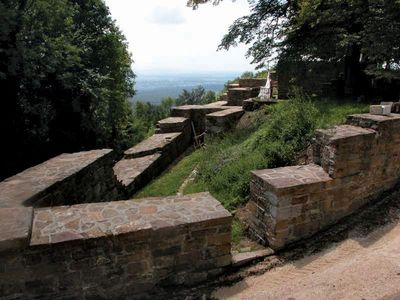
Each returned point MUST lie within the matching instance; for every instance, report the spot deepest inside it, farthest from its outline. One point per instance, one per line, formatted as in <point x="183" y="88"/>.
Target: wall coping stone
<point x="173" y="120"/>
<point x="101" y="220"/>
<point x="30" y="184"/>
<point x="286" y="179"/>
<point x="372" y="121"/>
<point x="155" y="143"/>
<point x="127" y="170"/>
<point x="15" y="227"/>
<point x="345" y="132"/>
<point x="226" y="112"/>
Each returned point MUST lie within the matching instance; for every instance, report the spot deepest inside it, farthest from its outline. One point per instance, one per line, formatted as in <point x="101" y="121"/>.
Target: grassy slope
<point x="225" y="164"/>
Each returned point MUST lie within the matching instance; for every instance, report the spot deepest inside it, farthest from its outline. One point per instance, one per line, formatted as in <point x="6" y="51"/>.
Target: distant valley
<point x="153" y="88"/>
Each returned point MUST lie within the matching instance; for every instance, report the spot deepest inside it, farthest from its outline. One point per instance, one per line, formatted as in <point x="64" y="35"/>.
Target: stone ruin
<point x="68" y="228"/>
<point x="64" y="235"/>
<point x="351" y="165"/>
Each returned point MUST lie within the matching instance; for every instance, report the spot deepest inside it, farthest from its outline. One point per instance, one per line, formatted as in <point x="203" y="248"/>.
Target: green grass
<point x="169" y="183"/>
<point x="272" y="139"/>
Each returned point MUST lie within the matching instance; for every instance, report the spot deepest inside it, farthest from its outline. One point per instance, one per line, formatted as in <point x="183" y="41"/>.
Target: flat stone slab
<point x="288" y="178"/>
<point x="29" y="184"/>
<point x="128" y="170"/>
<point x="374" y="121"/>
<point x="97" y="220"/>
<point x="153" y="144"/>
<point x="15" y="227"/>
<point x="345" y="132"/>
<point x="173" y="124"/>
<point x="231" y="111"/>
<point x="173" y="120"/>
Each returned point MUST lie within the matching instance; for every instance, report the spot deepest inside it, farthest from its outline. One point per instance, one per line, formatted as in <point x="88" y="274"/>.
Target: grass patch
<point x="237" y="231"/>
<point x="169" y="183"/>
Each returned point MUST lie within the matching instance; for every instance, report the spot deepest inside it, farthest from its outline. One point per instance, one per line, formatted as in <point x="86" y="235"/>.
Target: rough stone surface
<point x="15" y="226"/>
<point x="119" y="249"/>
<point x="134" y="173"/>
<point x="222" y="121"/>
<point x="65" y="179"/>
<point x="154" y="144"/>
<point x="252" y="82"/>
<point x="177" y="124"/>
<point x="236" y="96"/>
<point x="357" y="164"/>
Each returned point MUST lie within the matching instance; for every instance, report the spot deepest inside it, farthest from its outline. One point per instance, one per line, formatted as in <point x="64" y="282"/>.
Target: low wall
<point x="123" y="249"/>
<point x="222" y="121"/>
<point x="63" y="180"/>
<point x="353" y="164"/>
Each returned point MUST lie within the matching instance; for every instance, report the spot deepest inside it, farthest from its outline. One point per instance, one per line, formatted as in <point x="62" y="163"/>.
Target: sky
<point x="167" y="36"/>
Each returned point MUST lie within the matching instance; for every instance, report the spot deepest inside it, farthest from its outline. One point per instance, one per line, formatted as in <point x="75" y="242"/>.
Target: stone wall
<point x="222" y="121"/>
<point x="123" y="249"/>
<point x="63" y="180"/>
<point x="353" y="164"/>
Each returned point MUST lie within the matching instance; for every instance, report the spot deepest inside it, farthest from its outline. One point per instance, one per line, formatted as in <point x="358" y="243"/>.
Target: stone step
<point x="162" y="142"/>
<point x="221" y="121"/>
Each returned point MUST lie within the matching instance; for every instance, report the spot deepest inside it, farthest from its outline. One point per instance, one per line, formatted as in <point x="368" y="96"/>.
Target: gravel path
<point x="366" y="267"/>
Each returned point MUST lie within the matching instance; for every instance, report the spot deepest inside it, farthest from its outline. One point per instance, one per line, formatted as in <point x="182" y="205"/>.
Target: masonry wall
<point x="65" y="179"/>
<point x="123" y="249"/>
<point x="353" y="164"/>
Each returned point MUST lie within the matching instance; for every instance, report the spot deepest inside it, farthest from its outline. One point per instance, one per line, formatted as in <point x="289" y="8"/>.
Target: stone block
<point x="344" y="150"/>
<point x="155" y="143"/>
<point x="60" y="180"/>
<point x="135" y="173"/>
<point x="222" y="121"/>
<point x="174" y="124"/>
<point x="236" y="96"/>
<point x="252" y="82"/>
<point x="15" y="227"/>
<point x="380" y="110"/>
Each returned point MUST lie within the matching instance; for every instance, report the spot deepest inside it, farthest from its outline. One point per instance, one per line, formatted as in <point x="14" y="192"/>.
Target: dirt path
<point x="365" y="267"/>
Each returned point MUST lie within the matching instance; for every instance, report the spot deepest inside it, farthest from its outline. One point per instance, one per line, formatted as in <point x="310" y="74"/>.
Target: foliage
<point x="197" y="95"/>
<point x="146" y="116"/>
<point x="362" y="35"/>
<point x="66" y="75"/>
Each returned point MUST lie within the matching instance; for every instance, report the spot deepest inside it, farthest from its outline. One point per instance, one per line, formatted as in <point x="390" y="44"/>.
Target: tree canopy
<point x="65" y="76"/>
<point x="364" y="34"/>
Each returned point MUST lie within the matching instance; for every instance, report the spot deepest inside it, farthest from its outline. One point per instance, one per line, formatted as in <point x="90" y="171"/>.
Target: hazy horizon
<point x="170" y="38"/>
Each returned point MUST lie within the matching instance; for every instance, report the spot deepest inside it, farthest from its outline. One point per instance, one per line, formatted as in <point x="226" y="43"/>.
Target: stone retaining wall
<point x="65" y="179"/>
<point x="123" y="249"/>
<point x="353" y="164"/>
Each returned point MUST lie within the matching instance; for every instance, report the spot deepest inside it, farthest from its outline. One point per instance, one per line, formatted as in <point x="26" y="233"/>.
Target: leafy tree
<point x="197" y="95"/>
<point x="66" y="75"/>
<point x="362" y="34"/>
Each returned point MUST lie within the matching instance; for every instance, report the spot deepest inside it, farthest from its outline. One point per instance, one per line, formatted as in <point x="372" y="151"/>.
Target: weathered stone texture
<point x="163" y="142"/>
<point x="222" y="121"/>
<point x="119" y="249"/>
<point x="236" y="96"/>
<point x="65" y="179"/>
<point x="252" y="82"/>
<point x="357" y="161"/>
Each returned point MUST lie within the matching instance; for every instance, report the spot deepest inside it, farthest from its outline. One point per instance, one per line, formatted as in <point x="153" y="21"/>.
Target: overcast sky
<point x="167" y="36"/>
